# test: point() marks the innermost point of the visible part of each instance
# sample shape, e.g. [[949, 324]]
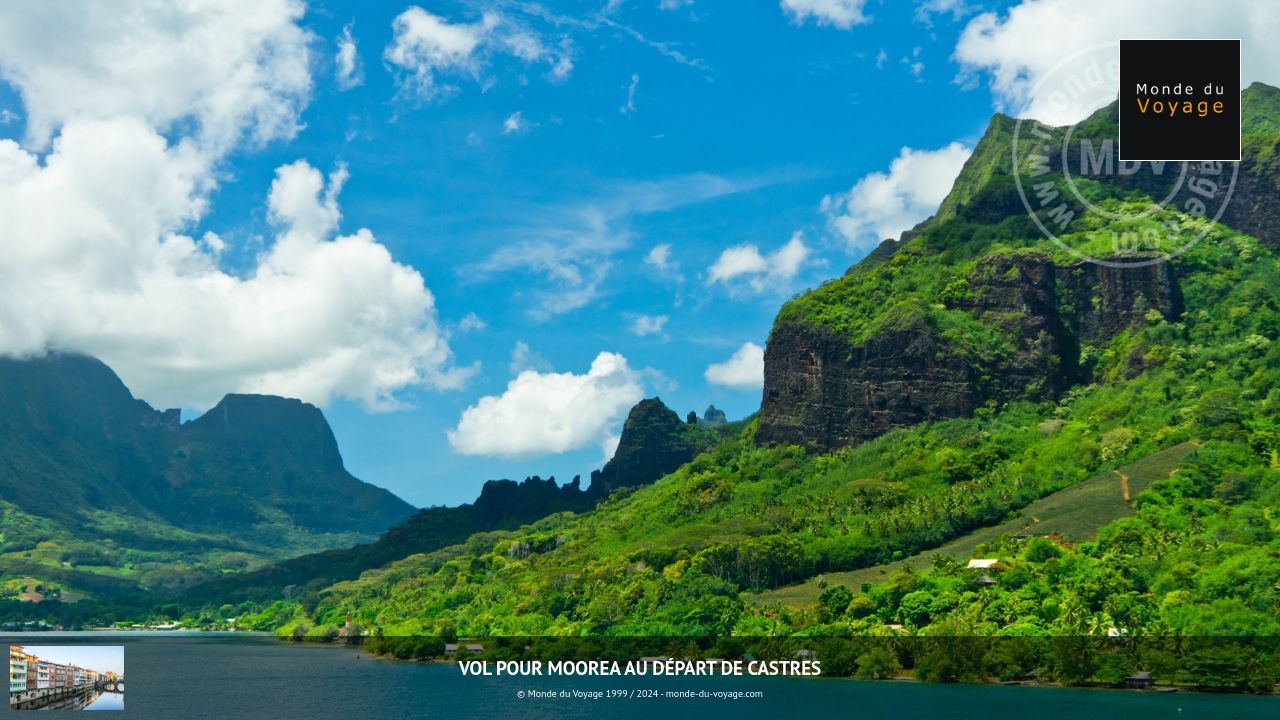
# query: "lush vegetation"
[[1199, 555]]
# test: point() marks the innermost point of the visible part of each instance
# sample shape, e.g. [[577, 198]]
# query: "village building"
[[17, 669], [1141, 680]]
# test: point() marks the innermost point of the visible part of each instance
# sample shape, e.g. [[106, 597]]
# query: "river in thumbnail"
[[232, 677]]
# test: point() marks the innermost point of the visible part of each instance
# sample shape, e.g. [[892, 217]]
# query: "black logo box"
[[1190, 64]]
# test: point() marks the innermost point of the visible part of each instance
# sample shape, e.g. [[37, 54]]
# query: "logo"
[[1096, 202]]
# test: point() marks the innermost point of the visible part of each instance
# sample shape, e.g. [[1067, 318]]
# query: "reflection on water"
[[107, 701], [97, 700]]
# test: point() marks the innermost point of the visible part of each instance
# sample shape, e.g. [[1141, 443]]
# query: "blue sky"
[[103, 658], [645, 179], [477, 231], [790, 113]]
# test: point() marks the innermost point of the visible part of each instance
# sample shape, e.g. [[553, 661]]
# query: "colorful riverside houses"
[[17, 669], [33, 671], [44, 675]]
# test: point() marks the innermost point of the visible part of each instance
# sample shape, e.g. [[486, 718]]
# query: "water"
[[107, 701], [92, 701], [231, 677]]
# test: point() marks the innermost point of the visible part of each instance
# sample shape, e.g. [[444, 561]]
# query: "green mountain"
[[942, 386], [654, 442], [100, 492]]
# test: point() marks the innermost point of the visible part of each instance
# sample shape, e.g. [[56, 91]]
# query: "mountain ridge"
[[108, 477]]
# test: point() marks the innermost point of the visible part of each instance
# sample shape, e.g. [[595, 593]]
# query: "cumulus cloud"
[[744, 370], [745, 262], [233, 68], [843, 14], [425, 46], [546, 412], [882, 205], [96, 256], [348, 70], [1017, 50], [429, 52], [648, 325], [513, 124]]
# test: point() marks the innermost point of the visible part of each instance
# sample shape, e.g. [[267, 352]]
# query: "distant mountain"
[[654, 442], [90, 475]]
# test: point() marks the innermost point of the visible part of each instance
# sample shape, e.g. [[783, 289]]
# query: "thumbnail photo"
[[66, 677]]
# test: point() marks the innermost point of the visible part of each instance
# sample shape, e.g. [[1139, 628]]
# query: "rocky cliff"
[[824, 392], [654, 442], [969, 307]]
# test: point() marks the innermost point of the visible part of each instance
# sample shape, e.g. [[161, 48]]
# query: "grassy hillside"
[[1071, 515]]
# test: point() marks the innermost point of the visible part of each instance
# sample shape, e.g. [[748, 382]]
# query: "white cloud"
[[542, 413], [235, 68], [843, 14], [955, 8], [7, 116], [1018, 50], [429, 52], [744, 370], [95, 257], [659, 256], [882, 205], [629, 106], [914, 64], [562, 68], [673, 4], [881, 58], [513, 124], [648, 325], [471, 322], [426, 46], [348, 70], [761, 271]]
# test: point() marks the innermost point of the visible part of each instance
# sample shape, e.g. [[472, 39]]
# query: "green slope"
[[1074, 514]]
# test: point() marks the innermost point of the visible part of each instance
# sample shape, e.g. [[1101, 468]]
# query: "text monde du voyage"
[[646, 667], [1180, 99]]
